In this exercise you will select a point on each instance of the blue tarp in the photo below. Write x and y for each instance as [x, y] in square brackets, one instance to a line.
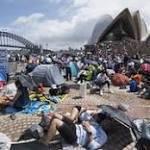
[36, 107]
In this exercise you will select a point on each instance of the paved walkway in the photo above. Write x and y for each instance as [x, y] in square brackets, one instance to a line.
[137, 107]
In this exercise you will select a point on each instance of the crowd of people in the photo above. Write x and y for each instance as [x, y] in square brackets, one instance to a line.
[131, 73]
[127, 72]
[100, 70]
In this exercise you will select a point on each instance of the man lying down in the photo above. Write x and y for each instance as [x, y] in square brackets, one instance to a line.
[81, 127]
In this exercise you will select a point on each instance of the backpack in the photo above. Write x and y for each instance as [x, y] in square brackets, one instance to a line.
[133, 86]
[64, 89]
[145, 68]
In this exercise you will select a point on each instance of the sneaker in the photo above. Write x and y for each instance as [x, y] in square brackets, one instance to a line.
[79, 82]
[101, 93]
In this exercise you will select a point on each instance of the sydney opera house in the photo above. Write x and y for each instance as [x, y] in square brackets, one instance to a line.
[126, 31]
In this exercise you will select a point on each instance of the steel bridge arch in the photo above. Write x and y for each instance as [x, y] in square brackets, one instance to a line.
[27, 44]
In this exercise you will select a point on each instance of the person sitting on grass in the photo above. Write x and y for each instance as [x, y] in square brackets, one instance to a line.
[88, 133]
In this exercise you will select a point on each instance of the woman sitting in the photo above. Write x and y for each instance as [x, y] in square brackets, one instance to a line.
[19, 101]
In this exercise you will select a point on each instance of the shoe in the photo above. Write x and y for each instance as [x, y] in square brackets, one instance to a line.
[101, 93]
[79, 82]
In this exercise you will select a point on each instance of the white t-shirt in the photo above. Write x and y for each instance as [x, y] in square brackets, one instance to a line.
[99, 135]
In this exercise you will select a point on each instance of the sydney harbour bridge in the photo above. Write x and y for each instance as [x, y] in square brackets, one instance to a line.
[10, 40]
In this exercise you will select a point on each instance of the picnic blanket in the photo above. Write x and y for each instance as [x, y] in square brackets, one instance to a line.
[36, 107]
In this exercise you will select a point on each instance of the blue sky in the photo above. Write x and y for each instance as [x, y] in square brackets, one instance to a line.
[12, 9]
[61, 23]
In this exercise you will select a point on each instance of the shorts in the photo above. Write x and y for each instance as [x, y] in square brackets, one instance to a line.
[78, 107]
[68, 131]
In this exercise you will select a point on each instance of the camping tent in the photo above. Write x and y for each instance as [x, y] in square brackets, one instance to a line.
[47, 74]
[3, 78]
[3, 75]
[120, 79]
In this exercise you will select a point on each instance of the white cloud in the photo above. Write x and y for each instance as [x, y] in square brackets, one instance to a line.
[76, 29]
[55, 1]
[30, 19]
[78, 3]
